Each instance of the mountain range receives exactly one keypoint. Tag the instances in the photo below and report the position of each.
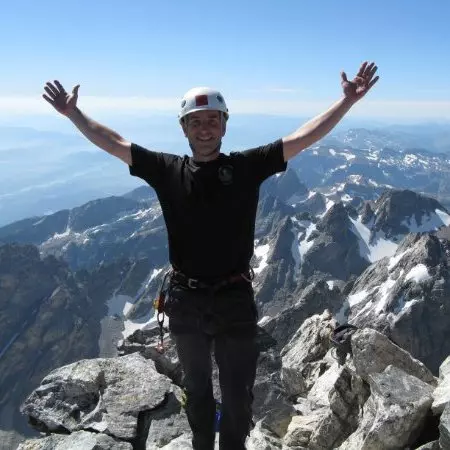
(354, 228)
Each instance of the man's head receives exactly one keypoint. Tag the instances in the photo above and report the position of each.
(203, 118)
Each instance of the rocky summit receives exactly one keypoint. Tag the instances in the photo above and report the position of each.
(379, 397)
(334, 244)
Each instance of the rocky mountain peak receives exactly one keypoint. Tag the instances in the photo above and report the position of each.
(315, 204)
(397, 211)
(286, 186)
(334, 249)
(335, 220)
(403, 294)
(367, 213)
(100, 211)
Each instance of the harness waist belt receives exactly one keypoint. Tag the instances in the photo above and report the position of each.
(194, 283)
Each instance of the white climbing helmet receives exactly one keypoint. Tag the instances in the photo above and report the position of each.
(202, 98)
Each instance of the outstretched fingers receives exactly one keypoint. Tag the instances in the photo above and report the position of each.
(51, 90)
(373, 82)
(60, 87)
(53, 93)
(50, 100)
(362, 69)
(372, 71)
(369, 71)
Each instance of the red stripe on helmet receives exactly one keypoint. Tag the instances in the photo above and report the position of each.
(201, 100)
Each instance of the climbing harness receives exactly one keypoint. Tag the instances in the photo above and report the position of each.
(194, 283)
(158, 305)
(341, 338)
(191, 283)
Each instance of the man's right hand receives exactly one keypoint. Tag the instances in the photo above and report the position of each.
(63, 102)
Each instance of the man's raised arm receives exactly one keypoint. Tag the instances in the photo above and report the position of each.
(101, 136)
(322, 124)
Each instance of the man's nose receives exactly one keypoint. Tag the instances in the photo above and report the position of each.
(204, 127)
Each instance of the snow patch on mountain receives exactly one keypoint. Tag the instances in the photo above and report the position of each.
(119, 305)
(375, 248)
(394, 260)
(329, 203)
(354, 299)
(261, 252)
(430, 222)
(443, 216)
(304, 245)
(418, 274)
(383, 294)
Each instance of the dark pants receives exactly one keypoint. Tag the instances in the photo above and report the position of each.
(226, 322)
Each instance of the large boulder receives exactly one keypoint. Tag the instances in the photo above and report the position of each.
(102, 395)
(441, 395)
(444, 428)
(394, 414)
(373, 352)
(302, 357)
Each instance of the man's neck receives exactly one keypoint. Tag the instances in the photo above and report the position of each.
(206, 157)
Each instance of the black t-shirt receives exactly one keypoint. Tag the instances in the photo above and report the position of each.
(209, 207)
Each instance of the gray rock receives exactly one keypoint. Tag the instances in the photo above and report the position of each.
(271, 406)
(441, 395)
(105, 395)
(373, 352)
(146, 341)
(312, 300)
(394, 414)
(444, 369)
(429, 446)
(300, 430)
(343, 395)
(183, 442)
(319, 394)
(330, 432)
(168, 423)
(262, 439)
(444, 429)
(303, 354)
(79, 440)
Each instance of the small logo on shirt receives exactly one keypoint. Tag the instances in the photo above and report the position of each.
(226, 174)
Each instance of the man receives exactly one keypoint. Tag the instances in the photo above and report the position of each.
(209, 204)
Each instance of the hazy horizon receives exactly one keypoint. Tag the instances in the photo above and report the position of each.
(265, 58)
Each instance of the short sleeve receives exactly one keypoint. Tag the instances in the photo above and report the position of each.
(149, 165)
(266, 160)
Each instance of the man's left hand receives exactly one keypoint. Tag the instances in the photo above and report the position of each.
(357, 88)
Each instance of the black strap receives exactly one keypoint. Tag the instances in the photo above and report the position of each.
(194, 283)
(341, 340)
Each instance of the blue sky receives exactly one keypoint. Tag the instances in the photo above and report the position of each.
(140, 56)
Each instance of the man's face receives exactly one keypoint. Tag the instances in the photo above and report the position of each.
(204, 130)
